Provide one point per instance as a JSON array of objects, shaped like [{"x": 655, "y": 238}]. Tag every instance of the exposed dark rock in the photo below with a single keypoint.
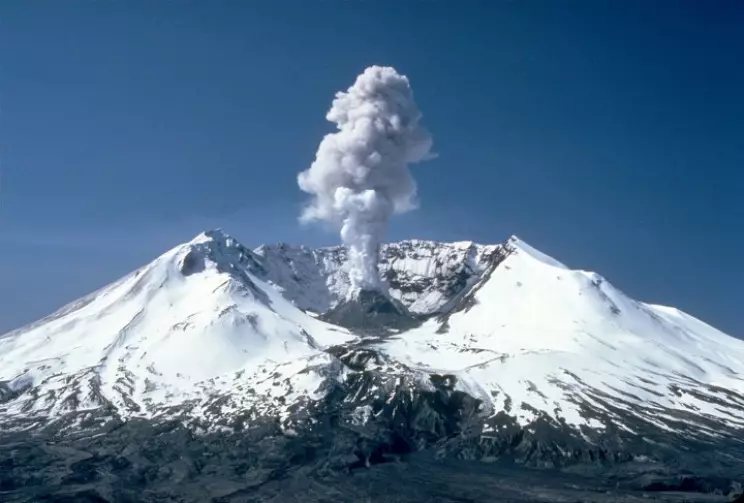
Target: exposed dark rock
[{"x": 371, "y": 311}]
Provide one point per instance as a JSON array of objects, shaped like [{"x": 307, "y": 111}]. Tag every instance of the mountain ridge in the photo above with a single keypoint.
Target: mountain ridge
[
  {"x": 451, "y": 277},
  {"x": 500, "y": 353}
]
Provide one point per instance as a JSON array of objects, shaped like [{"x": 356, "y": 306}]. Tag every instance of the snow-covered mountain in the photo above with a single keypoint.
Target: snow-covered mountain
[
  {"x": 503, "y": 342},
  {"x": 535, "y": 338},
  {"x": 196, "y": 322},
  {"x": 543, "y": 341}
]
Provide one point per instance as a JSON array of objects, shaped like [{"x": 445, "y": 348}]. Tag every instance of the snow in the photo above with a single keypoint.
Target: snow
[
  {"x": 212, "y": 318},
  {"x": 534, "y": 320},
  {"x": 163, "y": 329},
  {"x": 534, "y": 253}
]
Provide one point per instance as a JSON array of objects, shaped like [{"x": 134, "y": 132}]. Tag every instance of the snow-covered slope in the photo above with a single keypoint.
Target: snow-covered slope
[
  {"x": 540, "y": 340},
  {"x": 212, "y": 330},
  {"x": 195, "y": 321}
]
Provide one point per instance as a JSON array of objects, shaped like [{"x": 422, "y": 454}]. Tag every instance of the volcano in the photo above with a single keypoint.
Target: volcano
[{"x": 217, "y": 369}]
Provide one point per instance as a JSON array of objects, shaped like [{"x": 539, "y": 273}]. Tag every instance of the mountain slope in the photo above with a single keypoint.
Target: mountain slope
[
  {"x": 523, "y": 334},
  {"x": 545, "y": 341},
  {"x": 499, "y": 353},
  {"x": 194, "y": 321}
]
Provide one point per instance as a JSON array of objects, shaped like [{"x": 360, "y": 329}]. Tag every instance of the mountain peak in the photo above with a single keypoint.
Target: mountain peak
[
  {"x": 217, "y": 236},
  {"x": 196, "y": 319},
  {"x": 534, "y": 253},
  {"x": 215, "y": 247}
]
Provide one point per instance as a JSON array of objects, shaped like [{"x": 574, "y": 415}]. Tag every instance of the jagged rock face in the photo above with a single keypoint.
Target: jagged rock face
[{"x": 425, "y": 276}]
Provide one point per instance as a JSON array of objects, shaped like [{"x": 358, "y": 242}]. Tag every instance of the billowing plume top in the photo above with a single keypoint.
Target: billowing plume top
[{"x": 360, "y": 174}]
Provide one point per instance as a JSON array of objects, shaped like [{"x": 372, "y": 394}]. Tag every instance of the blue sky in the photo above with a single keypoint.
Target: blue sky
[{"x": 607, "y": 134}]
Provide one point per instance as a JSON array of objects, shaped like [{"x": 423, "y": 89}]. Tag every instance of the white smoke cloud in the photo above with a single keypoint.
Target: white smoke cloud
[{"x": 360, "y": 175}]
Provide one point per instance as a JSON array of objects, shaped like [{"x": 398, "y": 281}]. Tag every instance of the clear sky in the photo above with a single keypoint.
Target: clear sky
[{"x": 609, "y": 135}]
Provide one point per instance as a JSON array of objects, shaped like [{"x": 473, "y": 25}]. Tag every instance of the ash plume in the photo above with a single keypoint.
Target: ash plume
[{"x": 360, "y": 175}]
